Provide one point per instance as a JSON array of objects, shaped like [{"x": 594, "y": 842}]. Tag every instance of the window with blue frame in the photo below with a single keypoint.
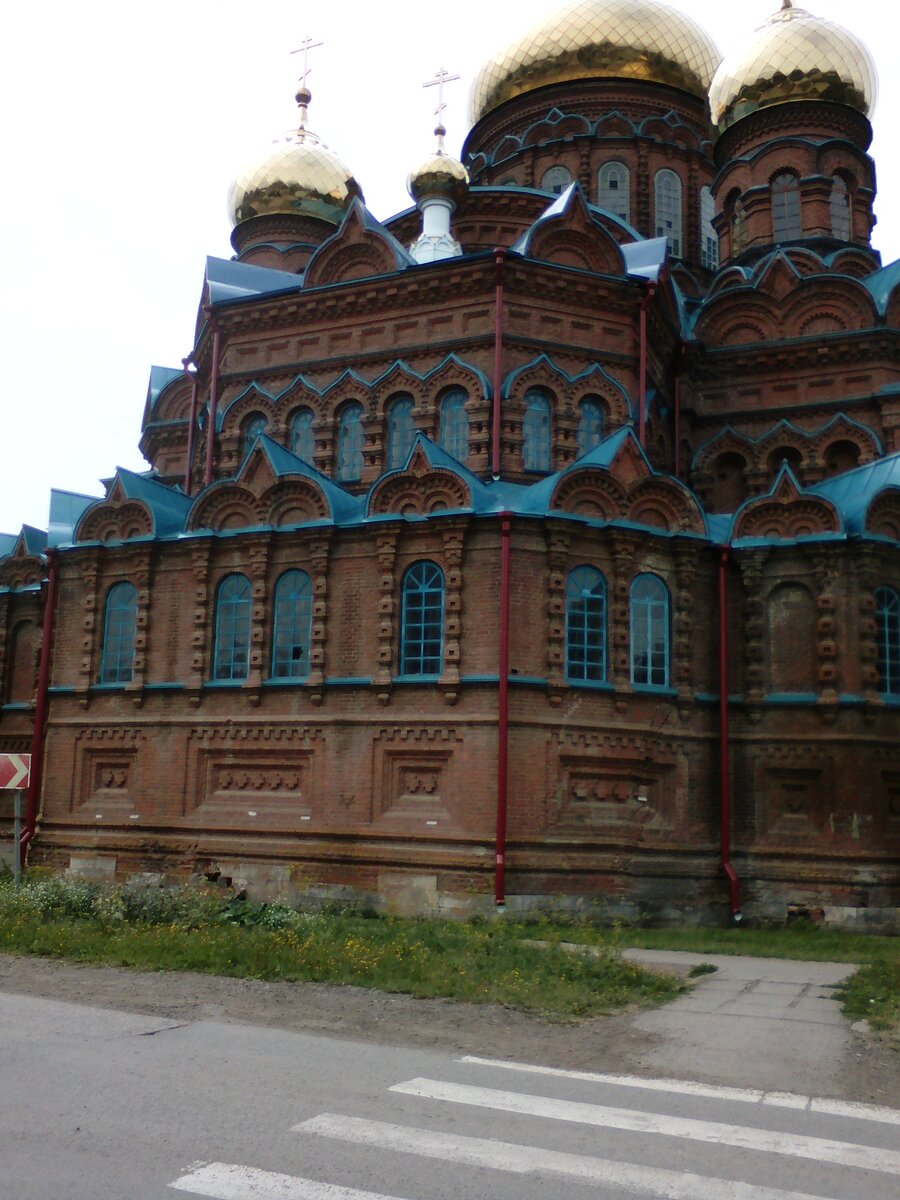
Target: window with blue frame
[
  {"x": 536, "y": 431},
  {"x": 252, "y": 427},
  {"x": 649, "y": 632},
  {"x": 350, "y": 443},
  {"x": 614, "y": 189},
  {"x": 586, "y": 625},
  {"x": 401, "y": 431},
  {"x": 292, "y": 626},
  {"x": 454, "y": 434},
  {"x": 590, "y": 424},
  {"x": 422, "y": 620},
  {"x": 231, "y": 655},
  {"x": 887, "y": 617},
  {"x": 303, "y": 441},
  {"x": 667, "y": 203},
  {"x": 119, "y": 629},
  {"x": 786, "y": 221}
]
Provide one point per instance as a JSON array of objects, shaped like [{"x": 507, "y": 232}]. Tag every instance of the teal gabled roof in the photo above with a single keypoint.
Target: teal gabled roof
[
  {"x": 345, "y": 507},
  {"x": 882, "y": 283},
  {"x": 853, "y": 492},
  {"x": 7, "y": 543},
  {"x": 66, "y": 510},
  {"x": 168, "y": 506},
  {"x": 160, "y": 378},
  {"x": 228, "y": 280},
  {"x": 33, "y": 540}
]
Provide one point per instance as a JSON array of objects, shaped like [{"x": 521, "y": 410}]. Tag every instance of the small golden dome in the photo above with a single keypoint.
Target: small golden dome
[
  {"x": 607, "y": 39},
  {"x": 439, "y": 175},
  {"x": 300, "y": 177},
  {"x": 794, "y": 56}
]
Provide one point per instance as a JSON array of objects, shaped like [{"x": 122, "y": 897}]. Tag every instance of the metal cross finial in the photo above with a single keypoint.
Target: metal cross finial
[
  {"x": 305, "y": 46},
  {"x": 441, "y": 77}
]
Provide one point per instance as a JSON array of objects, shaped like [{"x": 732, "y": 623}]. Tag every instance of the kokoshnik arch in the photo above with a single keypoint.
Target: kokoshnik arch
[{"x": 538, "y": 544}]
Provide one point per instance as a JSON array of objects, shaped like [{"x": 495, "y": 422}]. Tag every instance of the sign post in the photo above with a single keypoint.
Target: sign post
[{"x": 15, "y": 775}]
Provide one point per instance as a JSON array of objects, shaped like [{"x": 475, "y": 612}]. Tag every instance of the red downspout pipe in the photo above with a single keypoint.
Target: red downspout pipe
[
  {"x": 734, "y": 886},
  {"x": 503, "y": 717},
  {"x": 213, "y": 398},
  {"x": 40, "y": 711},
  {"x": 192, "y": 428},
  {"x": 642, "y": 382},
  {"x": 499, "y": 261}
]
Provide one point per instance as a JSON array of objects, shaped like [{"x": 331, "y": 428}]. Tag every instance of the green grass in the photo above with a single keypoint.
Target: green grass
[{"x": 476, "y": 963}]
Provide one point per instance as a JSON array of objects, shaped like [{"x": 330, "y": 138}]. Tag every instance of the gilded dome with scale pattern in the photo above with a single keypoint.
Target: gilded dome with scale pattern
[
  {"x": 612, "y": 39},
  {"x": 299, "y": 177},
  {"x": 794, "y": 56}
]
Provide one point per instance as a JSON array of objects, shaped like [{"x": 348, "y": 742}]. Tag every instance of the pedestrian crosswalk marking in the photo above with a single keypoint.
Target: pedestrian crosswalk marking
[
  {"x": 228, "y": 1181},
  {"x": 628, "y": 1178},
  {"x": 683, "y": 1087},
  {"x": 846, "y": 1154}
]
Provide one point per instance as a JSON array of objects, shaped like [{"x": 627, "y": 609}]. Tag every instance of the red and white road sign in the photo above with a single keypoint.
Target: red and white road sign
[{"x": 15, "y": 770}]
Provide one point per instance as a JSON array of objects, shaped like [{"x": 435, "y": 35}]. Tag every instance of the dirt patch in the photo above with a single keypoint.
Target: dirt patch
[{"x": 609, "y": 1044}]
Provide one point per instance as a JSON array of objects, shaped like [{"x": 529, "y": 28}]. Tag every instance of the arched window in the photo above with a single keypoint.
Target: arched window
[
  {"x": 738, "y": 228},
  {"x": 350, "y": 444},
  {"x": 887, "y": 616},
  {"x": 841, "y": 217},
  {"x": 22, "y": 663},
  {"x": 614, "y": 189},
  {"x": 401, "y": 431},
  {"x": 252, "y": 427},
  {"x": 590, "y": 424},
  {"x": 785, "y": 455},
  {"x": 790, "y": 622},
  {"x": 667, "y": 195},
  {"x": 586, "y": 625},
  {"x": 709, "y": 239},
  {"x": 649, "y": 632},
  {"x": 119, "y": 628},
  {"x": 231, "y": 656},
  {"x": 840, "y": 457},
  {"x": 303, "y": 440},
  {"x": 536, "y": 431},
  {"x": 292, "y": 626},
  {"x": 454, "y": 433},
  {"x": 422, "y": 620},
  {"x": 729, "y": 482},
  {"x": 785, "y": 207},
  {"x": 556, "y": 180}
]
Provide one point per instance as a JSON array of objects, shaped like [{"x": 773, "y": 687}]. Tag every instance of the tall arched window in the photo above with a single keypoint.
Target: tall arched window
[
  {"x": 401, "y": 431},
  {"x": 119, "y": 628},
  {"x": 303, "y": 439},
  {"x": 536, "y": 431},
  {"x": 292, "y": 626},
  {"x": 586, "y": 625},
  {"x": 350, "y": 443},
  {"x": 841, "y": 219},
  {"x": 709, "y": 239},
  {"x": 454, "y": 433},
  {"x": 887, "y": 616},
  {"x": 667, "y": 196},
  {"x": 785, "y": 207},
  {"x": 649, "y": 632},
  {"x": 556, "y": 180},
  {"x": 231, "y": 656},
  {"x": 614, "y": 189},
  {"x": 251, "y": 428},
  {"x": 590, "y": 424},
  {"x": 738, "y": 228},
  {"x": 422, "y": 620}
]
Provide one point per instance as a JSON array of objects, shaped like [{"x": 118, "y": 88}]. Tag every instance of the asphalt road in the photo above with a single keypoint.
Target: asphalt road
[{"x": 101, "y": 1104}]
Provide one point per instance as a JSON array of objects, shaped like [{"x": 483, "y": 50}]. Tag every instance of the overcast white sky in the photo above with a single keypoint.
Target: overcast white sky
[{"x": 122, "y": 127}]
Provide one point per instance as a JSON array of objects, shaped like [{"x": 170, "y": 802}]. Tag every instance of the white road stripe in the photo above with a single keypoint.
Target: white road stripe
[
  {"x": 846, "y": 1154},
  {"x": 227, "y": 1181},
  {"x": 624, "y": 1177},
  {"x": 838, "y": 1108}
]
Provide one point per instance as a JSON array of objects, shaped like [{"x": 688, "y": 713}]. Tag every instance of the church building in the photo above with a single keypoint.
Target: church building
[{"x": 538, "y": 545}]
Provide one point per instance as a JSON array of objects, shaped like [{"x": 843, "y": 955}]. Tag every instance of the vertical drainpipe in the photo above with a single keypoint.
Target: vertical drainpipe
[
  {"x": 213, "y": 396},
  {"x": 499, "y": 261},
  {"x": 503, "y": 717},
  {"x": 734, "y": 887},
  {"x": 192, "y": 428},
  {"x": 40, "y": 710},
  {"x": 642, "y": 367}
]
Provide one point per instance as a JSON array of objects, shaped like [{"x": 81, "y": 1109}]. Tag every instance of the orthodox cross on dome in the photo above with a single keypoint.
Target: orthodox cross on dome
[
  {"x": 304, "y": 48},
  {"x": 304, "y": 95},
  {"x": 441, "y": 77}
]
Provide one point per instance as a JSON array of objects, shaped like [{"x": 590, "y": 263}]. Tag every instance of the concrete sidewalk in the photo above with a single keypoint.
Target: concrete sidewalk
[{"x": 773, "y": 1022}]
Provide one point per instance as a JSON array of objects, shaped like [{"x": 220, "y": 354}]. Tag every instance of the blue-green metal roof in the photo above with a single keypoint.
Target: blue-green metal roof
[
  {"x": 228, "y": 280},
  {"x": 345, "y": 507},
  {"x": 7, "y": 543},
  {"x": 168, "y": 506},
  {"x": 853, "y": 492},
  {"x": 882, "y": 283},
  {"x": 66, "y": 510},
  {"x": 160, "y": 378}
]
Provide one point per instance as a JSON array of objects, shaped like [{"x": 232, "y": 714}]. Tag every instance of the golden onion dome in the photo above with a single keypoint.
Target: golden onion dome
[
  {"x": 605, "y": 39},
  {"x": 794, "y": 56},
  {"x": 299, "y": 177},
  {"x": 439, "y": 175}
]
